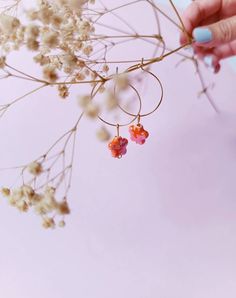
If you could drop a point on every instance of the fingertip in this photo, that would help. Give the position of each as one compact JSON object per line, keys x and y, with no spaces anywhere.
{"x":208,"y":61}
{"x":216,"y":65}
{"x":217,"y":68}
{"x":212,"y":62}
{"x":183,"y":39}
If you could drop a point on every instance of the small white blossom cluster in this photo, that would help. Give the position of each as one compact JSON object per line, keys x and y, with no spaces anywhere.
{"x":44,"y":203}
{"x":111,"y":98}
{"x":103,"y":134}
{"x":58,"y":33}
{"x":11,"y":33}
{"x":112,"y":95}
{"x":121,"y":81}
{"x":91,"y":109}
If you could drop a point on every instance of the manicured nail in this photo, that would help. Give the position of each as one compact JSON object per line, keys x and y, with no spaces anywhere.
{"x":208,"y":60}
{"x":202,"y":35}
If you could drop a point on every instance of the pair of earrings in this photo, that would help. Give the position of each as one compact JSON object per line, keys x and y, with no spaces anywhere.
{"x":118,"y":146}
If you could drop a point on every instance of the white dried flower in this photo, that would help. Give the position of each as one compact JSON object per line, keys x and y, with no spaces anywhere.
{"x":69,"y":61}
{"x":63,"y":208}
{"x":80,"y":76}
{"x":49,"y":190}
{"x":92,"y":110}
{"x":37,"y":198}
{"x":50,"y":39}
{"x":48,"y":223}
{"x":32,"y":15}
{"x":45,"y":14}
{"x":8,"y":24}
{"x":61,"y":224}
{"x":46,"y":205}
{"x":84,"y":27}
{"x":56,"y":21}
{"x":81,"y":64}
{"x":28,"y":191}
{"x":35,"y":168}
{"x":111,"y":100}
{"x":5,"y":192}
{"x":12,"y":200}
{"x":32,"y":31}
{"x":63,"y":91}
{"x":87,"y":50}
{"x":41,"y":59}
{"x":18,"y":194}
{"x":103,"y":134}
{"x":32,"y":44}
{"x":122,"y":81}
{"x":105,"y":68}
{"x":49,"y":73}
{"x":22,"y":206}
{"x":84,"y":100}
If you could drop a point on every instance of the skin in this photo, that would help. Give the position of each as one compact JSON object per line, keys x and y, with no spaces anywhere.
{"x":220,"y":17}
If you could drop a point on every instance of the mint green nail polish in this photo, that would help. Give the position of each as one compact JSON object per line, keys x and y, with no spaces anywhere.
{"x":202,"y":35}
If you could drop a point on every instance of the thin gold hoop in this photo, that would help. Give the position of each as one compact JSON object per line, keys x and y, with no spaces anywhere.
{"x":133,"y":115}
{"x":159,"y":102}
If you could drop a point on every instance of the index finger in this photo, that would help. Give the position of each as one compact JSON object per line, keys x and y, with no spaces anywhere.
{"x":197,"y":12}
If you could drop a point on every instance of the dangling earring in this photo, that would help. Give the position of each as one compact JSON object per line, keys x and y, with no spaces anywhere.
{"x":137,"y":133}
{"x":118,"y":145}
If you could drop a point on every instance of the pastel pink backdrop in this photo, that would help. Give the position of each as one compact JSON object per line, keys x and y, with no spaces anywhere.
{"x":158,"y":223}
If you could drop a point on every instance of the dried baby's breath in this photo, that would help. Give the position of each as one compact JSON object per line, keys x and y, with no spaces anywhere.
{"x":35,"y":168}
{"x":103,"y":134}
{"x":68,"y":47}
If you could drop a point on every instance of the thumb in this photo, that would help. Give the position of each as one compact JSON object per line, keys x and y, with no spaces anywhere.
{"x":221,"y":32}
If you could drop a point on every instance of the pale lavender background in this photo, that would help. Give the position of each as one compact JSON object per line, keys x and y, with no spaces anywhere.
{"x":158,"y":223}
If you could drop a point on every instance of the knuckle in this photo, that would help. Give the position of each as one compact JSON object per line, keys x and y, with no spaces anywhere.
{"x":225,"y":31}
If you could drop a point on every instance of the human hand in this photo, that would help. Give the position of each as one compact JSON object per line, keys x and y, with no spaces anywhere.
{"x":212,"y":24}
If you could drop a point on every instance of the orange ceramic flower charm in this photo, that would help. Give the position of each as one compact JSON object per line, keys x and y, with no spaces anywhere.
{"x":118,"y":147}
{"x":138,"y":134}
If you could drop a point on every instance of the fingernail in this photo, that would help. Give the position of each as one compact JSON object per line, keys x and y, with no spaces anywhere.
{"x":202,"y":35}
{"x":208,"y":60}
